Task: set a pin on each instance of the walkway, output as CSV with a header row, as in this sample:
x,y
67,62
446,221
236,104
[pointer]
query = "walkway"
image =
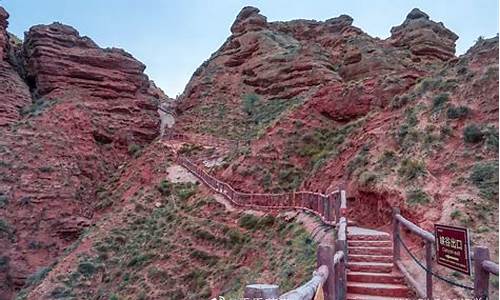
x,y
371,274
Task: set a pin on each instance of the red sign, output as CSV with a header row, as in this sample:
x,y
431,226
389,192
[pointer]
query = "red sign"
x,y
452,247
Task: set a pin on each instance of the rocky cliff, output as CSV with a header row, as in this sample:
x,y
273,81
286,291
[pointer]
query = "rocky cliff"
x,y
70,113
285,106
401,121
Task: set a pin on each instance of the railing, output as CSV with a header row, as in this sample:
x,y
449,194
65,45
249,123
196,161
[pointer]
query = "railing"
x,y
483,266
330,278
327,207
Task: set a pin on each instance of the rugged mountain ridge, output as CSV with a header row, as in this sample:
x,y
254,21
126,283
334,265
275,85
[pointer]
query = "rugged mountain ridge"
x,y
70,114
313,104
318,104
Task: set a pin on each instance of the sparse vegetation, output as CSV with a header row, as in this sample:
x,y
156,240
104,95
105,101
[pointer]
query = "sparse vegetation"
x,y
6,230
37,107
164,187
485,176
459,112
368,178
155,249
416,196
4,200
38,276
249,103
440,100
190,149
399,101
456,214
411,169
134,150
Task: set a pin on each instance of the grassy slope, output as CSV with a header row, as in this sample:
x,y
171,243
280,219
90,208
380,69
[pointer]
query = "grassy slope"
x,y
163,240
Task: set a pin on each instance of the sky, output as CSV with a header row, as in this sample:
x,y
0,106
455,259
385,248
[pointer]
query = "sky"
x,y
173,37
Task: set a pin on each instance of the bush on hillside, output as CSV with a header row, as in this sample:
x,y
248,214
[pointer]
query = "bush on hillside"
x,y
473,134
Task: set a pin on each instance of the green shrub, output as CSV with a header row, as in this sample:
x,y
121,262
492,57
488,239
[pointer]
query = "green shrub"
x,y
5,229
38,276
190,149
360,160
4,262
266,181
473,134
248,221
36,108
368,178
267,221
455,214
459,112
399,101
139,260
439,101
184,191
86,268
4,200
236,237
249,102
492,138
412,169
388,158
45,169
164,188
485,177
134,150
204,256
417,196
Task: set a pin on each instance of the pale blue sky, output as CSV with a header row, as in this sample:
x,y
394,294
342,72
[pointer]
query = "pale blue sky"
x,y
174,37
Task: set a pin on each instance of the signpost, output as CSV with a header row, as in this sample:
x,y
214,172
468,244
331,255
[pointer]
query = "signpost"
x,y
452,247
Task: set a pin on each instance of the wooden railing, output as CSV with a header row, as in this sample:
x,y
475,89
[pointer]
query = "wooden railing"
x,y
331,208
483,266
327,207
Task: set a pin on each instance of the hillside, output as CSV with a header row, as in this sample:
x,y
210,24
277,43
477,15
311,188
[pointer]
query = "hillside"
x,y
401,122
93,205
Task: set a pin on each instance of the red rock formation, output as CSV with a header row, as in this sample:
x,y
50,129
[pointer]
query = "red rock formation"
x,y
14,92
424,37
57,58
91,105
377,96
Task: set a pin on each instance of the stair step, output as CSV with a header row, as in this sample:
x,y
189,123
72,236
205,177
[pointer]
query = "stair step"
x,y
370,267
369,237
369,243
375,277
371,250
370,258
351,296
378,289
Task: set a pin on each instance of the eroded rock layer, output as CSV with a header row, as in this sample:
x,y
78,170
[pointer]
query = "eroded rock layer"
x,y
76,112
14,91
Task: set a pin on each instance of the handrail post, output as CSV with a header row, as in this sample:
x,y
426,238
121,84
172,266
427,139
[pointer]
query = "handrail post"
x,y
261,291
428,265
396,250
341,279
336,206
481,276
325,257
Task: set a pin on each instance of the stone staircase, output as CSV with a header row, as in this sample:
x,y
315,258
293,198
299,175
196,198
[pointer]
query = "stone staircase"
x,y
370,272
